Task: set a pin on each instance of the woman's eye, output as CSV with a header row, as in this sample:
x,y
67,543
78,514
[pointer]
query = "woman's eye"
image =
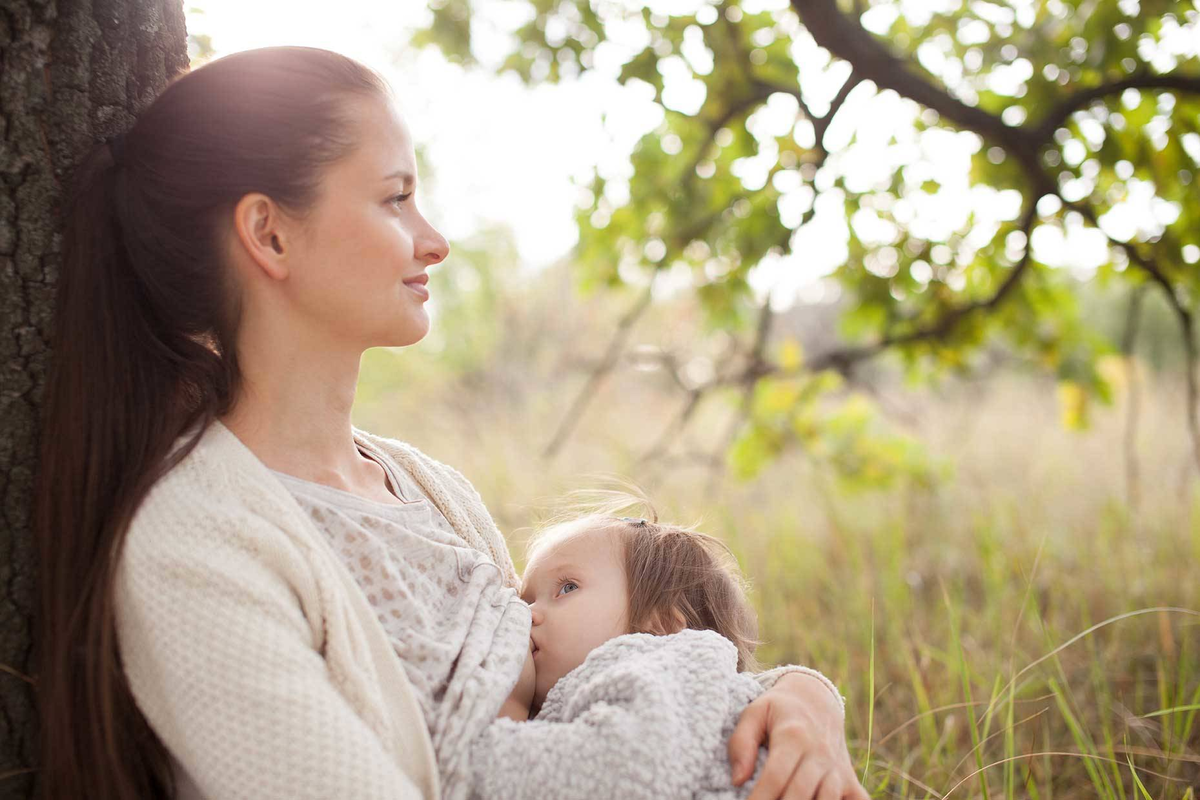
x,y
400,198
572,584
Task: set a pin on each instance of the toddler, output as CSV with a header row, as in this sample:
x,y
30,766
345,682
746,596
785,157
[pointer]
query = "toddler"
x,y
640,635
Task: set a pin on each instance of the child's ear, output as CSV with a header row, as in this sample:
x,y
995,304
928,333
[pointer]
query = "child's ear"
x,y
665,622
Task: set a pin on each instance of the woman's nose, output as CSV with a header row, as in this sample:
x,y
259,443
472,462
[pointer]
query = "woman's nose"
x,y
433,245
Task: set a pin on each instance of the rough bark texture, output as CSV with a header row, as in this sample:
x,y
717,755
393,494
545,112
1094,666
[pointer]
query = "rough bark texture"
x,y
71,72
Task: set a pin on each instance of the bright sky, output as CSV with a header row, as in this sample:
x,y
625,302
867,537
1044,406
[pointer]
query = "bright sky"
x,y
505,153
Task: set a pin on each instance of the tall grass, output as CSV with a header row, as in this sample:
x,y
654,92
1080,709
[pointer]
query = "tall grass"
x,y
1016,629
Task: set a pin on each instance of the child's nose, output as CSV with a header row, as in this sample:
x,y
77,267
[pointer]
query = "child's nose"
x,y
538,616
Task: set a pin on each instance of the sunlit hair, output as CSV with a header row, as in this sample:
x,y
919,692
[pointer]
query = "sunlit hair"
x,y
143,354
674,573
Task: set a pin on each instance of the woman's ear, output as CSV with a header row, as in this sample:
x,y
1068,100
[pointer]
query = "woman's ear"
x,y
259,230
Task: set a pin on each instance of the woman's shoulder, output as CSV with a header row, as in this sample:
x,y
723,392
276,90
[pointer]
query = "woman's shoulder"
x,y
459,501
398,449
217,485
414,459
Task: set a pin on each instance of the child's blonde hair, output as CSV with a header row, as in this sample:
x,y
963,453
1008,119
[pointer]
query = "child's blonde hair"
x,y
675,574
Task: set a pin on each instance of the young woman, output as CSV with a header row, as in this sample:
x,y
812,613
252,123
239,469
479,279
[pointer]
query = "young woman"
x,y
242,594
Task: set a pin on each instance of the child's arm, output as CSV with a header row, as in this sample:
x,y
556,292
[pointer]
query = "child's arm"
x,y
640,719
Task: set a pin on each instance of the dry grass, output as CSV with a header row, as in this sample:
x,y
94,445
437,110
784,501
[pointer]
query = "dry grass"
x,y
941,611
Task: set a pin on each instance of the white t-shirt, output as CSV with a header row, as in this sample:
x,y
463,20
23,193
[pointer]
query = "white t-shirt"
x,y
462,635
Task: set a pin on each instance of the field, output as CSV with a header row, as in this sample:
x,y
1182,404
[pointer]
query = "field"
x,y
1014,627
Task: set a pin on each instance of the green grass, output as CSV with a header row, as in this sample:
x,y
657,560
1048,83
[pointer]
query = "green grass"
x,y
1013,630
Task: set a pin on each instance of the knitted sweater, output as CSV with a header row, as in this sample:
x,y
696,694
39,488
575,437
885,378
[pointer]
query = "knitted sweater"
x,y
250,649
644,716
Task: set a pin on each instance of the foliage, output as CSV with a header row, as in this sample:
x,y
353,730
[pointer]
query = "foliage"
x,y
1070,108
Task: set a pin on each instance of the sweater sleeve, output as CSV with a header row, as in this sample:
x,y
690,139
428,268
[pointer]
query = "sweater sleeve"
x,y
769,678
638,724
226,662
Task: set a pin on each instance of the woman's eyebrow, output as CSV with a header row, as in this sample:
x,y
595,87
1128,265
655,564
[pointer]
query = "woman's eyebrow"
x,y
405,175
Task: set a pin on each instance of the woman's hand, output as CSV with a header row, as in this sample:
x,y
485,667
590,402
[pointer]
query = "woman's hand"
x,y
807,758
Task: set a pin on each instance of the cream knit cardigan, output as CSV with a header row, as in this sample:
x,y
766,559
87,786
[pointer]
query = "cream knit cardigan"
x,y
251,650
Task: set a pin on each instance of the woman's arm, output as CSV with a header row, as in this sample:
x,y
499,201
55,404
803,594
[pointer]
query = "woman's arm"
x,y
771,677
227,667
801,720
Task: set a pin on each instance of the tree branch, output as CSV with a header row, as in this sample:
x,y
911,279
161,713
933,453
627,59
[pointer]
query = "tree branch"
x,y
822,125
770,88
1133,395
841,359
1059,114
870,58
848,40
1182,313
746,378
663,443
611,356
736,109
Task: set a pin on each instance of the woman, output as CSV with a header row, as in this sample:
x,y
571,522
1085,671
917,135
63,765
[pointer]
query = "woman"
x,y
211,625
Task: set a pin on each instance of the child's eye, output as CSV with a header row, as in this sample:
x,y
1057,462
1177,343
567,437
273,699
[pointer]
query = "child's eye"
x,y
572,584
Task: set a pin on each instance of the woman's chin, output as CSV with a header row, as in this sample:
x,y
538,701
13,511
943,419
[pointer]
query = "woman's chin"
x,y
409,335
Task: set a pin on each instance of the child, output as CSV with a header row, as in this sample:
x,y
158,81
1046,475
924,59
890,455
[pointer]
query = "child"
x,y
639,632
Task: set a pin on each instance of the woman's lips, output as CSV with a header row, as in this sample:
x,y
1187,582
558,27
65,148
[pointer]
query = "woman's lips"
x,y
417,285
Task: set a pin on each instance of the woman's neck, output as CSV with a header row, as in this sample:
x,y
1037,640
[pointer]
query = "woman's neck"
x,y
293,412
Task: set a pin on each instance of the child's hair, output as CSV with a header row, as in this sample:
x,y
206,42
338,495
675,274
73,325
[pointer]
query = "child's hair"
x,y
673,572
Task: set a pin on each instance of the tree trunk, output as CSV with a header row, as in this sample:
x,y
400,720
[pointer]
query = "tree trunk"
x,y
71,72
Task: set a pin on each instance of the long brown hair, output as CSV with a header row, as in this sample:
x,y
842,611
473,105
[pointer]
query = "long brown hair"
x,y
144,354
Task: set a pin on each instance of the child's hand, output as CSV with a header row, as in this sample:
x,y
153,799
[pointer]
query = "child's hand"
x,y
807,759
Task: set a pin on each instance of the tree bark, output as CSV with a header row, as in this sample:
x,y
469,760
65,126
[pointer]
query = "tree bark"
x,y
71,72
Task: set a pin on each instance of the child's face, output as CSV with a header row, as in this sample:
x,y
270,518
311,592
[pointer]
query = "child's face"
x,y
575,583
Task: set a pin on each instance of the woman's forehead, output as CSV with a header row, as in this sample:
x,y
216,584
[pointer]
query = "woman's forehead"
x,y
385,150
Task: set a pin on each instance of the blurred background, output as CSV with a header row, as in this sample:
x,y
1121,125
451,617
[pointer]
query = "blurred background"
x,y
897,298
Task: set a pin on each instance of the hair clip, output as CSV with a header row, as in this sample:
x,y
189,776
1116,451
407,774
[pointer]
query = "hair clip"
x,y
633,520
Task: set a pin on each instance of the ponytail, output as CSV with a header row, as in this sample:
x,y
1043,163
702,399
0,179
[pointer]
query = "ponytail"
x,y
111,411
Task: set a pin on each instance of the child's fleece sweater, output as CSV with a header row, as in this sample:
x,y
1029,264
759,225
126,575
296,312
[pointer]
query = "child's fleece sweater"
x,y
643,717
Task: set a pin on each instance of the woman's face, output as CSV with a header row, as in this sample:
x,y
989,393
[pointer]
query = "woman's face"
x,y
360,269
